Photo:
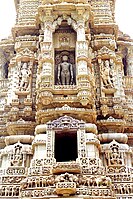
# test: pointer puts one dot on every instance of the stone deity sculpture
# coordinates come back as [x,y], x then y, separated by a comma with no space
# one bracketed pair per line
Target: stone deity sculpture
[106,75]
[115,157]
[65,72]
[24,75]
[17,157]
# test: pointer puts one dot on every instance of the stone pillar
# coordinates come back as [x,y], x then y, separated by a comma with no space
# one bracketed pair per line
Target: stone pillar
[13,81]
[50,144]
[39,146]
[80,31]
[45,79]
[43,144]
[82,65]
[92,144]
[48,31]
[81,147]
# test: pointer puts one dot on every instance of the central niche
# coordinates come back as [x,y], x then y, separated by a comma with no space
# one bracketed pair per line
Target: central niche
[64,42]
[66,146]
[65,72]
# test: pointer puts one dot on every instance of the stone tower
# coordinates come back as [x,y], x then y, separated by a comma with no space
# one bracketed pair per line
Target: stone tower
[66,103]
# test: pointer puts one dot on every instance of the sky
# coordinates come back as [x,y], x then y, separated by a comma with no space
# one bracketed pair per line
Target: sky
[124,17]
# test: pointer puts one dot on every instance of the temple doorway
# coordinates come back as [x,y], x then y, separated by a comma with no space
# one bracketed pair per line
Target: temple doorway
[66,146]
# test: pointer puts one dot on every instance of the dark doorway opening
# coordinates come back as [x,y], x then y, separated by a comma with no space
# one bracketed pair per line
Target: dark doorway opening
[65,146]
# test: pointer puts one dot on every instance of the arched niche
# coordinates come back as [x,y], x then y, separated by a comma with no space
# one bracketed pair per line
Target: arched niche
[64,43]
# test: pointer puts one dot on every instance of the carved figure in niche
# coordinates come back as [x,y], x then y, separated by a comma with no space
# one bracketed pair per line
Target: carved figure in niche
[65,72]
[17,157]
[24,76]
[115,157]
[106,74]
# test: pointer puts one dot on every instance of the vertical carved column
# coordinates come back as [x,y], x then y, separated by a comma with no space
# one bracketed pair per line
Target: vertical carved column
[44,143]
[82,147]
[46,60]
[14,81]
[39,145]
[50,144]
[48,30]
[21,82]
[81,30]
[92,145]
[83,70]
[119,80]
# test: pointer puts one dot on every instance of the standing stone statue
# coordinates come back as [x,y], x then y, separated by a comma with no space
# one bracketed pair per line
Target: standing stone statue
[106,75]
[65,72]
[25,77]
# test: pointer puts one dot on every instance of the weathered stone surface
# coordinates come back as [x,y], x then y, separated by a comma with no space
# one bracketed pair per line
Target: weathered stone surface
[66,103]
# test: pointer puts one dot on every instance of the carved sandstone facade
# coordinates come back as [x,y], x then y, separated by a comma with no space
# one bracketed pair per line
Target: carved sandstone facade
[66,103]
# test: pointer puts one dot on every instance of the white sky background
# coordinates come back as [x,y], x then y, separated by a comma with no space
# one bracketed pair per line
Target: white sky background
[124,17]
